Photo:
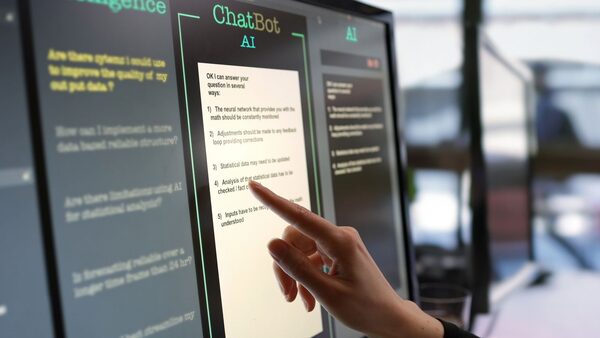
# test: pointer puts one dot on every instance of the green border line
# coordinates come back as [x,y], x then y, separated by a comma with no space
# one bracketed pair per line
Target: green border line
[310,120]
[312,140]
[187,110]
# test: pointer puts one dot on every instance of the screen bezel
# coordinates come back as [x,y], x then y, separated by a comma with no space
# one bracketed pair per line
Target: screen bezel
[39,167]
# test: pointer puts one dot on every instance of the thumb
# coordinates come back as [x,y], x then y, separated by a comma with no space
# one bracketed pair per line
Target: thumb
[299,267]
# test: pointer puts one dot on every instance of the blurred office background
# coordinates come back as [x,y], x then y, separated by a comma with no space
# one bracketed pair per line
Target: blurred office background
[558,41]
[429,41]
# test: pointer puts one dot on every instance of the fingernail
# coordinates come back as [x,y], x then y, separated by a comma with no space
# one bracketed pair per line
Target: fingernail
[277,249]
[283,290]
[254,184]
[305,304]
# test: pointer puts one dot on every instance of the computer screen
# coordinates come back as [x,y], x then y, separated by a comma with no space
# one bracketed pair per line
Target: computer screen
[505,116]
[148,119]
[114,170]
[323,136]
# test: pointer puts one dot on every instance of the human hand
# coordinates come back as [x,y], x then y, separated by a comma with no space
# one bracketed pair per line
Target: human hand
[354,290]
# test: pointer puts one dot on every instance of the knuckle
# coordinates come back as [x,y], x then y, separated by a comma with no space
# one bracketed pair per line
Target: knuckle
[352,232]
[302,212]
[299,241]
[288,232]
[298,266]
[349,234]
[349,239]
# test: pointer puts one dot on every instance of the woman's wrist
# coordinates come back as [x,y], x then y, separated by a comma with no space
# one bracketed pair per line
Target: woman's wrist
[409,321]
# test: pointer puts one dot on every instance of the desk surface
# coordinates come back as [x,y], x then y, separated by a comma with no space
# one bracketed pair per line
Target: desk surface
[567,306]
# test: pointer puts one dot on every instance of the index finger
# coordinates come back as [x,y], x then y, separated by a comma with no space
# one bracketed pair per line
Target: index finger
[312,225]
